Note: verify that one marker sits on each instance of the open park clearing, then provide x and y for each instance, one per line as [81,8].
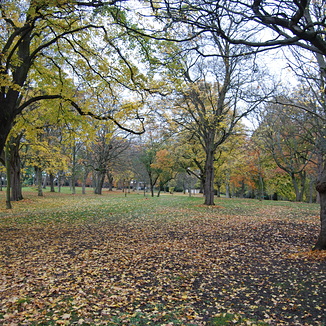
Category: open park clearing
[168,260]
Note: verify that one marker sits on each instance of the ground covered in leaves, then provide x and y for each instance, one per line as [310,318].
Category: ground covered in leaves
[116,260]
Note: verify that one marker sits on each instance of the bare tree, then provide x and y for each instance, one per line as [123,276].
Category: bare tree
[216,94]
[298,23]
[104,152]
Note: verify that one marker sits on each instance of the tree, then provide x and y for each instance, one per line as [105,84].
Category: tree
[209,111]
[291,23]
[236,166]
[103,153]
[289,138]
[165,166]
[147,158]
[299,23]
[46,47]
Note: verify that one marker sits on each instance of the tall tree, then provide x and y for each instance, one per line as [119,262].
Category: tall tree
[208,105]
[60,42]
[291,23]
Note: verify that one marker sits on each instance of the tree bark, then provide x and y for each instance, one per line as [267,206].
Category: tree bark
[152,189]
[38,172]
[7,159]
[99,181]
[16,188]
[321,188]
[209,178]
[298,189]
[59,180]
[110,180]
[51,177]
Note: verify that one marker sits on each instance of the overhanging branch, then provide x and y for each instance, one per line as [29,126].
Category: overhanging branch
[82,112]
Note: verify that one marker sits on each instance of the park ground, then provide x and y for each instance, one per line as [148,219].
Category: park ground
[135,260]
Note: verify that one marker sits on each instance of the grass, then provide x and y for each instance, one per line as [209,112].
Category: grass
[134,260]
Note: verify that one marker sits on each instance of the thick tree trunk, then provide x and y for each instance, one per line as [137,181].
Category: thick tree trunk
[209,179]
[7,159]
[51,178]
[299,189]
[99,181]
[16,188]
[5,123]
[303,178]
[295,186]
[321,188]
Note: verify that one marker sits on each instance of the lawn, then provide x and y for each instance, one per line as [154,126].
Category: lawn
[135,260]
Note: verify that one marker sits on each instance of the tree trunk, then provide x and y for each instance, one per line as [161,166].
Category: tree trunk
[321,188]
[110,180]
[7,159]
[45,181]
[227,189]
[296,187]
[51,177]
[99,181]
[16,188]
[303,178]
[209,179]
[161,186]
[152,189]
[59,181]
[261,187]
[218,185]
[6,121]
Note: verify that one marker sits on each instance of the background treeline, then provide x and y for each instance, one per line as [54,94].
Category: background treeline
[278,159]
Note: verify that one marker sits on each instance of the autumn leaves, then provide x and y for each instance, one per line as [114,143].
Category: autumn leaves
[162,261]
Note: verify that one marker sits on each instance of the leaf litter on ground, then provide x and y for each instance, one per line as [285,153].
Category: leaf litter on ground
[116,260]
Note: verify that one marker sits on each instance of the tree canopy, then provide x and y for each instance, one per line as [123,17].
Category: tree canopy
[72,52]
